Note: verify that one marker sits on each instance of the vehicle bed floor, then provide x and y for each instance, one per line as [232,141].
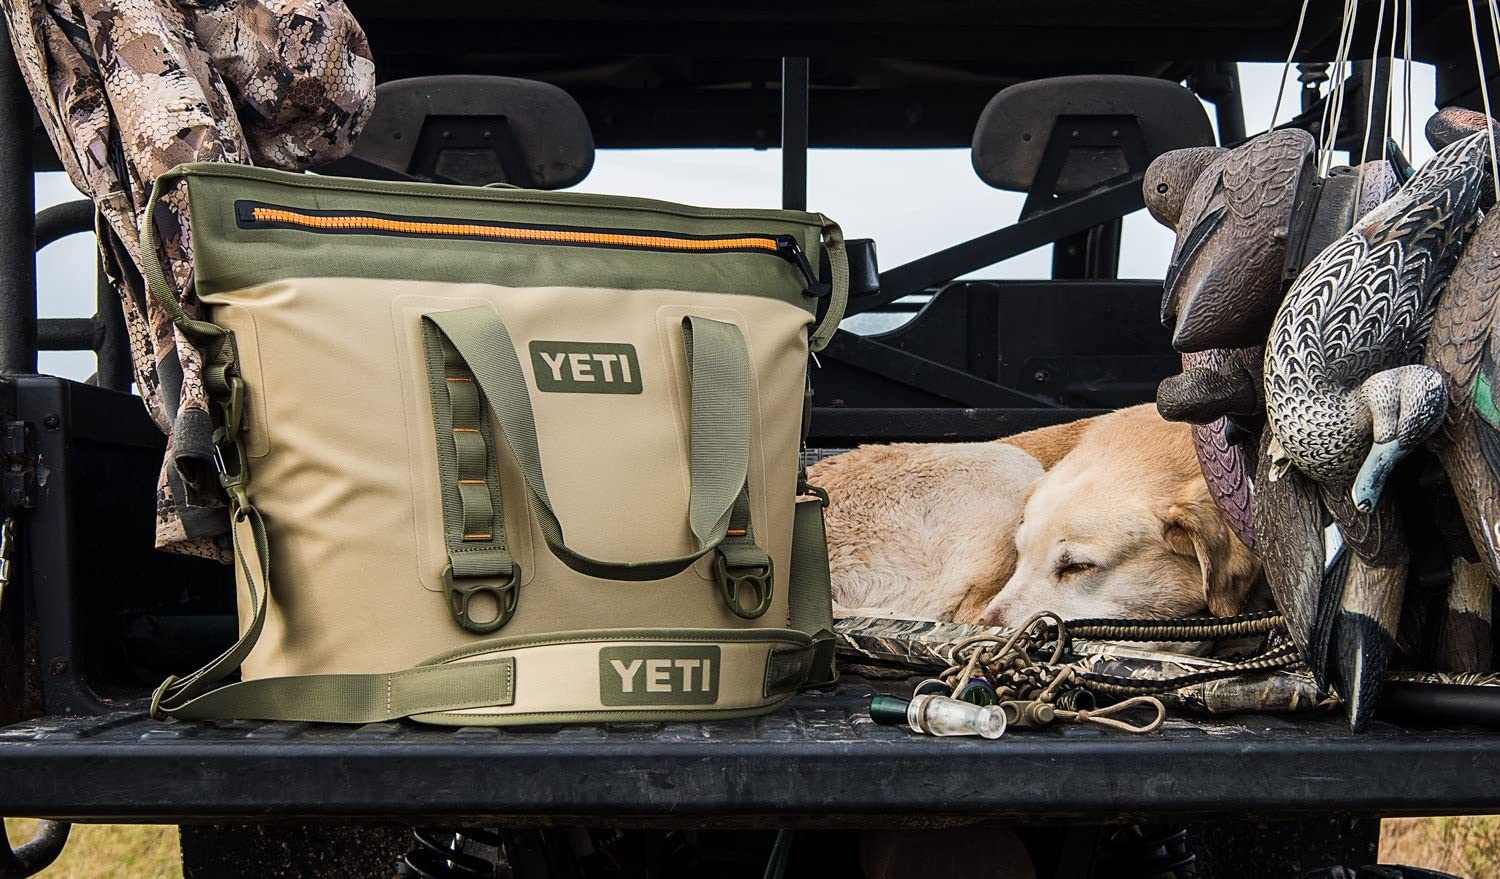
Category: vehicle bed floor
[820,757]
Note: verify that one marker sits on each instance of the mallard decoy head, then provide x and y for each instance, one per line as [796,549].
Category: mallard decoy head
[1212,387]
[1171,176]
[1404,406]
[1452,124]
[1225,278]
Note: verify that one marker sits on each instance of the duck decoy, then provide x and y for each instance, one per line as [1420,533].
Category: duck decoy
[1458,346]
[1346,392]
[1464,346]
[1219,392]
[1290,523]
[1233,210]
[1347,397]
[1452,124]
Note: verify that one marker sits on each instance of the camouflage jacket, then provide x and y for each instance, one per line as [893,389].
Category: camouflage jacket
[127,89]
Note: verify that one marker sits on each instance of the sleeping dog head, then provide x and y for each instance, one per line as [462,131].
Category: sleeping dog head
[1124,526]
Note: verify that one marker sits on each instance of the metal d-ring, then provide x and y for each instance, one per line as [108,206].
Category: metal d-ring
[506,596]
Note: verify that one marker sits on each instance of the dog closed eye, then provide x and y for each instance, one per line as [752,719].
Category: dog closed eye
[1070,567]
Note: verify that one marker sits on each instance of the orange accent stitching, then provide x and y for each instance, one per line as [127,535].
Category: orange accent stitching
[478,536]
[563,236]
[735,532]
[459,378]
[471,482]
[465,430]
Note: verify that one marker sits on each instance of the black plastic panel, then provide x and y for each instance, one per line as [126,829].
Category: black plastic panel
[113,616]
[821,760]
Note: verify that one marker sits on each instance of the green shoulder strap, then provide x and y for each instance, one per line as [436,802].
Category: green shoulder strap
[367,698]
[809,586]
[838,299]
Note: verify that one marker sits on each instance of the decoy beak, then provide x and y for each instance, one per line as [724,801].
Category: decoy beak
[1377,467]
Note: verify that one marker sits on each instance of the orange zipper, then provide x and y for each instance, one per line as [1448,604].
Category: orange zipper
[255,215]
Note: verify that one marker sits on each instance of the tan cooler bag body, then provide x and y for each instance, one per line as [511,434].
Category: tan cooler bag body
[498,456]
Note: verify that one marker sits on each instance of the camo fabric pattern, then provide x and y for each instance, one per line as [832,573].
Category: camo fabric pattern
[128,89]
[1278,691]
[300,73]
[923,646]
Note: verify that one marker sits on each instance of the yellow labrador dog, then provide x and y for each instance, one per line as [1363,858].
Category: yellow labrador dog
[1106,517]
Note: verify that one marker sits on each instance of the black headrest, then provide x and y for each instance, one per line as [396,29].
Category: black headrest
[1014,128]
[478,130]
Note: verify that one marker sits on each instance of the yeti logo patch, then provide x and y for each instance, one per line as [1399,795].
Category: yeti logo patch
[585,367]
[659,675]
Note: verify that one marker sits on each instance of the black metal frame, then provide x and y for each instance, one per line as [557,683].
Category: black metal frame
[111,615]
[796,88]
[104,332]
[18,328]
[1093,252]
[1037,230]
[1083,226]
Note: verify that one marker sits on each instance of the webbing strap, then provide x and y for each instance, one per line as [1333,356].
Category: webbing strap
[838,301]
[335,698]
[469,472]
[444,684]
[809,589]
[719,446]
[479,563]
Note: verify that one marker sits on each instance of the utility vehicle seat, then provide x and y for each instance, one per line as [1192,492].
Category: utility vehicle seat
[1108,125]
[474,130]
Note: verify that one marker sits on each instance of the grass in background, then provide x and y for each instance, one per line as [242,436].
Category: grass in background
[110,851]
[1466,847]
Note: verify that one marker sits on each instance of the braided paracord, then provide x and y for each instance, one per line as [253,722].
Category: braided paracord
[1010,665]
[1221,629]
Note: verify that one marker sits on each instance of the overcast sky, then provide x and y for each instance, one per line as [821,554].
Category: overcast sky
[912,202]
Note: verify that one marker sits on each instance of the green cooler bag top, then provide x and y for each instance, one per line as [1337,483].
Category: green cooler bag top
[498,456]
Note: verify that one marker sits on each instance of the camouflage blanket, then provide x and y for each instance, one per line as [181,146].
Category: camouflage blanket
[127,89]
[924,646]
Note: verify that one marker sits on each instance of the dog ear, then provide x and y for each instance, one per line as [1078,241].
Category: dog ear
[1197,530]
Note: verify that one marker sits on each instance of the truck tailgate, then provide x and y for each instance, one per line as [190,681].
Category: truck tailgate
[821,758]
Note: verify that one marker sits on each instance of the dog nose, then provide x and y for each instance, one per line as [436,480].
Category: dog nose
[994,615]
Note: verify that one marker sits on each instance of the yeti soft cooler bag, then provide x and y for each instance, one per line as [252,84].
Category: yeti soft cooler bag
[496,456]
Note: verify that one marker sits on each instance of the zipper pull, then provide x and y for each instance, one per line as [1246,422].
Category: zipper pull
[788,249]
